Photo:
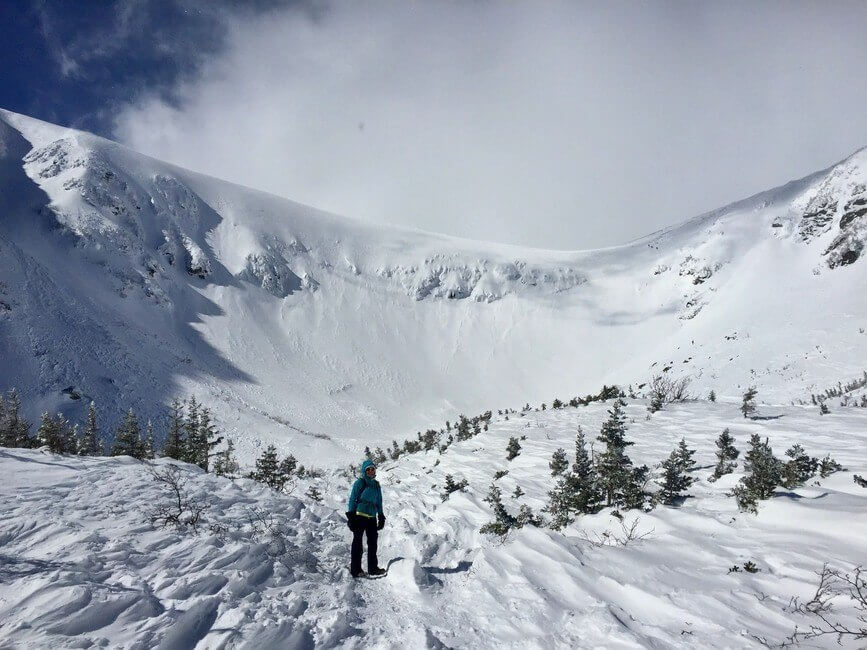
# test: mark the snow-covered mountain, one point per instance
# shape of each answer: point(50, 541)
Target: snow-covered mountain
point(128, 281)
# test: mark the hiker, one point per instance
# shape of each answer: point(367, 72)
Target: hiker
point(364, 515)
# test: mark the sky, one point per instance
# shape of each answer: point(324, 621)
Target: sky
point(556, 125)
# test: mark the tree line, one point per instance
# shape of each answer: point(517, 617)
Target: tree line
point(191, 437)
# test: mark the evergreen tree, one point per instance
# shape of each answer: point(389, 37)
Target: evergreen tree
point(576, 492)
point(748, 406)
point(613, 467)
point(763, 475)
point(175, 446)
point(395, 450)
point(799, 469)
point(462, 431)
point(225, 463)
point(518, 493)
point(503, 521)
point(268, 469)
point(828, 466)
point(91, 444)
point(368, 454)
point(726, 454)
point(559, 463)
point(149, 443)
point(192, 433)
point(46, 434)
point(823, 409)
point(57, 434)
point(711, 396)
point(513, 449)
point(633, 492)
point(127, 439)
point(452, 486)
point(684, 457)
point(287, 467)
point(14, 431)
point(674, 481)
point(208, 439)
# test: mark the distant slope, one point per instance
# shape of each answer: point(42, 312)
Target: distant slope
point(128, 280)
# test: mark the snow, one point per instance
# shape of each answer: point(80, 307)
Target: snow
point(82, 566)
point(134, 281)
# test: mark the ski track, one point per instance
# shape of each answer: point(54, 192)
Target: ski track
point(80, 566)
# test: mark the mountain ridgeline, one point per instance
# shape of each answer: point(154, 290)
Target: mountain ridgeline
point(127, 280)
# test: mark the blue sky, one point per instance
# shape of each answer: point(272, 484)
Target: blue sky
point(76, 62)
point(562, 125)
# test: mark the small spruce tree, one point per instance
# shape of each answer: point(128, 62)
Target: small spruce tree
point(711, 396)
point(149, 443)
point(452, 486)
point(726, 455)
point(800, 467)
point(14, 430)
point(828, 466)
point(559, 463)
point(674, 481)
point(503, 521)
point(90, 443)
point(763, 475)
point(175, 446)
point(268, 469)
point(513, 449)
point(225, 463)
point(748, 406)
point(127, 439)
point(613, 466)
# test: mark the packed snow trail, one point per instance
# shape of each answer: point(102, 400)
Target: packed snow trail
point(81, 565)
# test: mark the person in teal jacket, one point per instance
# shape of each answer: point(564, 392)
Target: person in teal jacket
point(364, 516)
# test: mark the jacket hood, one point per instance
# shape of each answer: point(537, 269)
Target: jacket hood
point(365, 465)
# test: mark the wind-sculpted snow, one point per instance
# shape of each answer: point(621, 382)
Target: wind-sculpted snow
point(80, 565)
point(133, 281)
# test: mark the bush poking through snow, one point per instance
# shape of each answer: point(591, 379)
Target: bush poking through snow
point(452, 486)
point(834, 585)
point(179, 509)
point(626, 536)
point(665, 390)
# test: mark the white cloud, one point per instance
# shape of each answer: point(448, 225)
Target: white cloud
point(563, 126)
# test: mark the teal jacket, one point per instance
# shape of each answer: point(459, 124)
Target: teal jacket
point(365, 499)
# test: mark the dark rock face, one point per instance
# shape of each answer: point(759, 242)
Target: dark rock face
point(842, 200)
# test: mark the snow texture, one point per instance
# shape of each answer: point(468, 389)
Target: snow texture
point(80, 566)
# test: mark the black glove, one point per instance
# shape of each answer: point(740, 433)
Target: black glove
point(350, 521)
point(380, 522)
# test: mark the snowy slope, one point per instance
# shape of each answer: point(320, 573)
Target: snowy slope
point(80, 565)
point(128, 281)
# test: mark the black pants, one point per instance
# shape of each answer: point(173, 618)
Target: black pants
point(364, 525)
